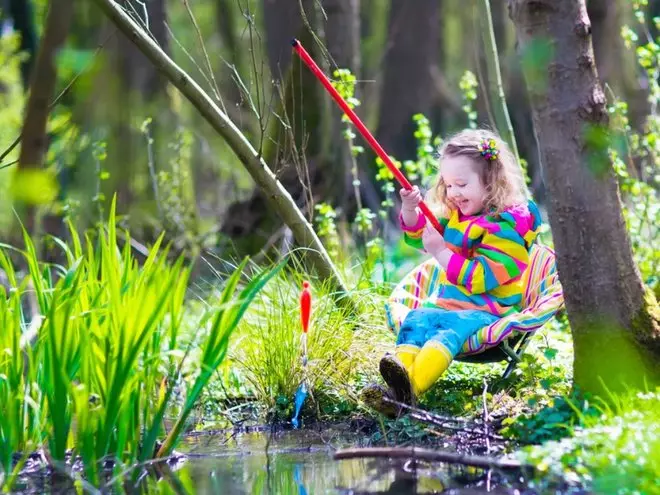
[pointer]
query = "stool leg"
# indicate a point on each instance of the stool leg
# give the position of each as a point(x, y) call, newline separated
point(515, 356)
point(509, 369)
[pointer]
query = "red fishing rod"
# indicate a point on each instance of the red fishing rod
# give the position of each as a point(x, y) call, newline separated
point(361, 127)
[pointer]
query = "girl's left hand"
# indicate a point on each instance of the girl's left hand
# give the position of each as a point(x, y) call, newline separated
point(433, 241)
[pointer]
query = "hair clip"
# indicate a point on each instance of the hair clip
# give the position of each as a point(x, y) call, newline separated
point(488, 149)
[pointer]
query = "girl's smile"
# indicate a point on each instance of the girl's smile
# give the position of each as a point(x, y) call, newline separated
point(465, 189)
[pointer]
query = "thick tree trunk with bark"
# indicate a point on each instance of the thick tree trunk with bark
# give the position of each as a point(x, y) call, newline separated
point(615, 331)
point(411, 52)
point(42, 86)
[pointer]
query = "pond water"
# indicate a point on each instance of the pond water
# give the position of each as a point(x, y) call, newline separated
point(300, 462)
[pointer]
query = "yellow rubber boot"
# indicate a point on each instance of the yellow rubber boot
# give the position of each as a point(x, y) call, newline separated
point(431, 362)
point(407, 354)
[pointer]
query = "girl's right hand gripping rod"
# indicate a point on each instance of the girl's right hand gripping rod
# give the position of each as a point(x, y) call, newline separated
point(362, 128)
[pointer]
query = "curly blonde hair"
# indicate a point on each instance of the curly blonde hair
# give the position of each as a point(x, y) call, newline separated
point(502, 177)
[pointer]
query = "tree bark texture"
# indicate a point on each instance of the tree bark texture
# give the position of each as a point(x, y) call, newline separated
point(615, 332)
point(412, 49)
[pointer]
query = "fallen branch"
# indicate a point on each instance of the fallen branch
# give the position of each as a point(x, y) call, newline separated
point(275, 193)
point(430, 455)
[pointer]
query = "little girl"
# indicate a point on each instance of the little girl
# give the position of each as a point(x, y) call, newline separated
point(488, 226)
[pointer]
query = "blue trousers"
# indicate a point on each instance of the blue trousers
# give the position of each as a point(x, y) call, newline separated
point(449, 328)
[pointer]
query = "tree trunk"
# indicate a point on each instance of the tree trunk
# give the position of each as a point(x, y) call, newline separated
point(412, 50)
point(282, 20)
point(606, 39)
point(34, 139)
point(373, 38)
point(614, 320)
point(138, 73)
point(617, 66)
point(342, 36)
point(130, 78)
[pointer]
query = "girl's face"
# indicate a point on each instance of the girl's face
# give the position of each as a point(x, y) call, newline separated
point(465, 189)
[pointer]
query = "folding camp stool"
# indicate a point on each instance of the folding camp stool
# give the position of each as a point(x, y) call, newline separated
point(507, 338)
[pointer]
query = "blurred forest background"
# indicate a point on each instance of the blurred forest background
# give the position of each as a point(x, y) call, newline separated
point(117, 126)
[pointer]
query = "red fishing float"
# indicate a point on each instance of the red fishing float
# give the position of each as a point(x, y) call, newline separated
point(303, 389)
point(305, 306)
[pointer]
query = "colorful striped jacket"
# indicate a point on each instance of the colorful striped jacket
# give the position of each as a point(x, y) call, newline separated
point(490, 255)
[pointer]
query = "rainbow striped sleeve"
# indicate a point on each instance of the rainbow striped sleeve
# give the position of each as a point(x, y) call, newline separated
point(413, 235)
point(500, 257)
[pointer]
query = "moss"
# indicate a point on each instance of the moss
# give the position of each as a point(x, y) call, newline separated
point(646, 323)
point(646, 331)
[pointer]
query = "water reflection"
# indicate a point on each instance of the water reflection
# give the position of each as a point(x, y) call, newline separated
point(300, 462)
point(295, 462)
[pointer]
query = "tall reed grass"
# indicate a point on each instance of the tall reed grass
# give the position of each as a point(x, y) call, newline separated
point(98, 379)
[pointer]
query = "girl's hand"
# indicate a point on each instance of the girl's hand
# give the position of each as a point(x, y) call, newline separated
point(433, 241)
point(410, 199)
